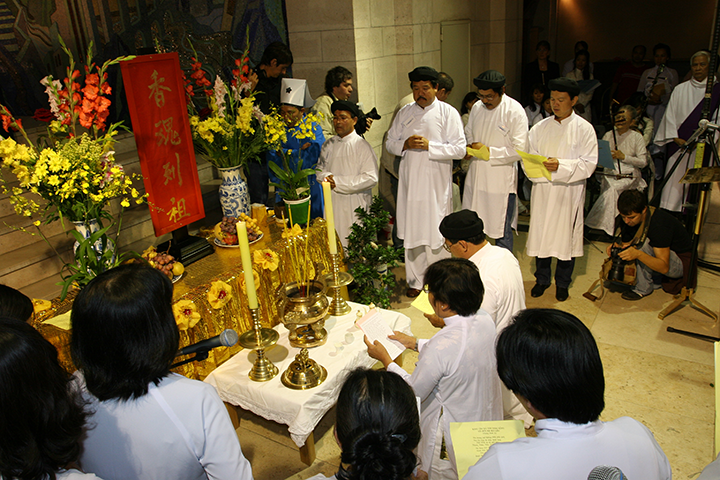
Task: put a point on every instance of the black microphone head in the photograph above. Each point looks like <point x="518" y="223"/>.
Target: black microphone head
<point x="606" y="472"/>
<point x="228" y="338"/>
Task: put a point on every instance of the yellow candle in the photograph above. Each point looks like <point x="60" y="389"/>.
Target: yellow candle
<point x="247" y="264"/>
<point x="329" y="217"/>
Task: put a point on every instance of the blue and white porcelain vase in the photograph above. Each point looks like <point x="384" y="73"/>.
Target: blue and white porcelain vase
<point x="87" y="229"/>
<point x="234" y="196"/>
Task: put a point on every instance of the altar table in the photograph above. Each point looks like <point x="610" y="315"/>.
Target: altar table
<point x="301" y="410"/>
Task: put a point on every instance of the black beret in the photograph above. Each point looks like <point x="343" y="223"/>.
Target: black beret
<point x="564" y="84"/>
<point x="423" y="73"/>
<point x="461" y="225"/>
<point x="489" y="79"/>
<point x="345" y="106"/>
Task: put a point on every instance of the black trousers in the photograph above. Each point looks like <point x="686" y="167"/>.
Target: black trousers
<point x="563" y="271"/>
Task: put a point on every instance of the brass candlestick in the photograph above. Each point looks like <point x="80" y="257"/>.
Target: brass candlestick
<point x="259" y="339"/>
<point x="335" y="281"/>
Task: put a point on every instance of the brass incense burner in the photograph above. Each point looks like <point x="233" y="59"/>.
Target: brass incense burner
<point x="303" y="309"/>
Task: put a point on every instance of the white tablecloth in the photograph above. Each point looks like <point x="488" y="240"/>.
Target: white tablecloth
<point x="300" y="410"/>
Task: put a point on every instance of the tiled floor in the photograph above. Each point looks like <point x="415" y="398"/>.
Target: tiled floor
<point x="662" y="379"/>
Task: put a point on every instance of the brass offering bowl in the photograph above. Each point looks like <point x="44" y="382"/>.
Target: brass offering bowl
<point x="303" y="311"/>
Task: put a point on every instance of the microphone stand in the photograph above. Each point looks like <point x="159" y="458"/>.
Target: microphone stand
<point x="199" y="356"/>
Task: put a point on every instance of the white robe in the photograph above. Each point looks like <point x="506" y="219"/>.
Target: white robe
<point x="353" y="164"/>
<point x="567" y="451"/>
<point x="504" y="296"/>
<point x="455" y="373"/>
<point x="603" y="213"/>
<point x="179" y="430"/>
<point x="556" y="208"/>
<point x="683" y="101"/>
<point x="425" y="177"/>
<point x="488" y="184"/>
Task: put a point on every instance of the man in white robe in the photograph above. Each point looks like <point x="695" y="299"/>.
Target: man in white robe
<point x="499" y="123"/>
<point x="684" y="102"/>
<point x="504" y="291"/>
<point x="550" y="360"/>
<point x="349" y="163"/>
<point x="454" y="377"/>
<point x="428" y="135"/>
<point x="556" y="206"/>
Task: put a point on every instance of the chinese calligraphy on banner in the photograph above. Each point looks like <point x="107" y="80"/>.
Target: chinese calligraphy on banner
<point x="156" y="99"/>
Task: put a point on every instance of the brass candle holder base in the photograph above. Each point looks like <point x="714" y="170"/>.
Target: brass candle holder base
<point x="259" y="339"/>
<point x="334" y="282"/>
<point x="303" y="373"/>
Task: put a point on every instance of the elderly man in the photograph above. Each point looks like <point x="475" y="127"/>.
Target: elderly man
<point x="349" y="163"/>
<point x="550" y="360"/>
<point x="428" y="135"/>
<point x="556" y="205"/>
<point x="499" y="123"/>
<point x="680" y="121"/>
<point x="504" y="294"/>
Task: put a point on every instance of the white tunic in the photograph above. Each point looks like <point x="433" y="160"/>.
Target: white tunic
<point x="603" y="213"/>
<point x="353" y="164"/>
<point x="179" y="430"/>
<point x="73" y="474"/>
<point x="502" y="279"/>
<point x="488" y="184"/>
<point x="556" y="208"/>
<point x="567" y="451"/>
<point x="425" y="177"/>
<point x="455" y="373"/>
<point x="683" y="101"/>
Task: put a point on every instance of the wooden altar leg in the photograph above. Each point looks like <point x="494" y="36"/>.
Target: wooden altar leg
<point x="307" y="451"/>
<point x="232" y="410"/>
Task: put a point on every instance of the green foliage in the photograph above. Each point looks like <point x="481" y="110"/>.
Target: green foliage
<point x="292" y="183"/>
<point x="365" y="255"/>
<point x="91" y="260"/>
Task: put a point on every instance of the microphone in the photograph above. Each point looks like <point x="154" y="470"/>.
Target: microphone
<point x="606" y="472"/>
<point x="227" y="338"/>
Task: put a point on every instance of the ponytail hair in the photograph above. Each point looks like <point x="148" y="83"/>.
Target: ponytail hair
<point x="378" y="426"/>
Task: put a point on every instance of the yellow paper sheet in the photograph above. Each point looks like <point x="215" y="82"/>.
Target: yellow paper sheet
<point x="422" y="303"/>
<point x="61" y="321"/>
<point x="483" y="153"/>
<point x="533" y="164"/>
<point x="472" y="439"/>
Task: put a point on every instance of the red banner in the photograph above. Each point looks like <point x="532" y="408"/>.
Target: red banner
<point x="156" y="99"/>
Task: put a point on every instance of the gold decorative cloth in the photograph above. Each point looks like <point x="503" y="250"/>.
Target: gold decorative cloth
<point x="298" y="260"/>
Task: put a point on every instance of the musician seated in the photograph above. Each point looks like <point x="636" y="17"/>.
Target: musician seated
<point x="657" y="240"/>
<point x="629" y="156"/>
<point x="147" y="422"/>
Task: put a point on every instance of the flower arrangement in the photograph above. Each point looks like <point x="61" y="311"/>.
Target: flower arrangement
<point x="234" y="131"/>
<point x="292" y="178"/>
<point x="74" y="170"/>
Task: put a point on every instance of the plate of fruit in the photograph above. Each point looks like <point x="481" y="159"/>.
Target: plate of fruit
<point x="164" y="262"/>
<point x="226" y="231"/>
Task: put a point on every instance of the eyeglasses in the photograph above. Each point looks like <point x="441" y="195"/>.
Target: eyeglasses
<point x="448" y="247"/>
<point x="487" y="97"/>
<point x="425" y="289"/>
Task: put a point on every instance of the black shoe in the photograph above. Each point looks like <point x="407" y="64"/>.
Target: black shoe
<point x="561" y="294"/>
<point x="538" y="290"/>
<point x="632" y="295"/>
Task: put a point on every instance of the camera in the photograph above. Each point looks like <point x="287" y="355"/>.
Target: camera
<point x="617" y="269"/>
